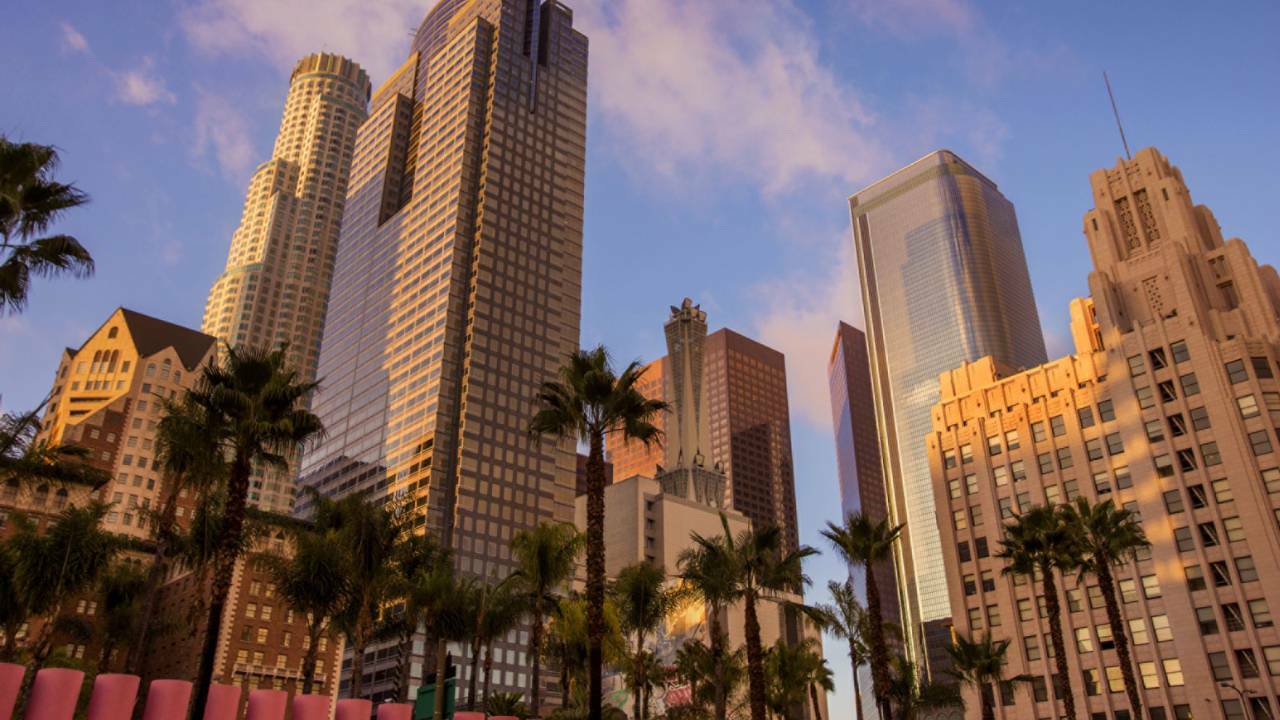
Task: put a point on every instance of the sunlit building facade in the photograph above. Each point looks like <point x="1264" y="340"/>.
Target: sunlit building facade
<point x="457" y="292"/>
<point x="943" y="281"/>
<point x="1168" y="408"/>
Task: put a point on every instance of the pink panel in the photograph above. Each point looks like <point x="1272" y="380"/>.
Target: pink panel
<point x="311" y="707"/>
<point x="54" y="694"/>
<point x="167" y="699"/>
<point x="10" y="683"/>
<point x="267" y="705"/>
<point x="395" y="711"/>
<point x="352" y="709"/>
<point x="113" y="697"/>
<point x="223" y="702"/>
<point x="504" y="717"/>
<point x="468" y="716"/>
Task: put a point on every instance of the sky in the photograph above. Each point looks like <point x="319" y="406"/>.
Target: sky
<point x="724" y="137"/>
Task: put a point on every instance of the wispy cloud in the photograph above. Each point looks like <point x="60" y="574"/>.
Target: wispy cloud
<point x="374" y="34"/>
<point x="72" y="39"/>
<point x="222" y="133"/>
<point x="142" y="86"/>
<point x="737" y="89"/>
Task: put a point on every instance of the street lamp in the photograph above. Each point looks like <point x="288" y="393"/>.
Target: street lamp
<point x="1244" y="698"/>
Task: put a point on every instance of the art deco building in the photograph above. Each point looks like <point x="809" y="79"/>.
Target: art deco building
<point x="1168" y="408"/>
<point x="457" y="291"/>
<point x="744" y="388"/>
<point x="943" y="280"/>
<point x="275" y="288"/>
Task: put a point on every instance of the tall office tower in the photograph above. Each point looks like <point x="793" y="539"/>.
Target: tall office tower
<point x="1168" y="408"/>
<point x="276" y="284"/>
<point x="744" y="388"/>
<point x="943" y="281"/>
<point x="457" y="291"/>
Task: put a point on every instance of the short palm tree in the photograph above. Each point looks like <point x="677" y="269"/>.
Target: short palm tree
<point x="254" y="407"/>
<point x="546" y="557"/>
<point x="29" y="461"/>
<point x="499" y="609"/>
<point x="709" y="574"/>
<point x="914" y="698"/>
<point x="445" y="602"/>
<point x="980" y="664"/>
<point x="867" y="542"/>
<point x="791" y="672"/>
<point x="1035" y="545"/>
<point x="1109" y="537"/>
<point x="644" y="601"/>
<point x="31" y="200"/>
<point x="414" y="555"/>
<point x="121" y="590"/>
<point x="588" y="402"/>
<point x="847" y="620"/>
<point x="506" y="705"/>
<point x="314" y="581"/>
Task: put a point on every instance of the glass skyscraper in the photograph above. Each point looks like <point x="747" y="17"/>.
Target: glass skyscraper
<point x="457" y="292"/>
<point x="944" y="281"/>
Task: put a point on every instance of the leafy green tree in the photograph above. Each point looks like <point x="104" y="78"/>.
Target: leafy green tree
<point x="913" y="697"/>
<point x="793" y="671"/>
<point x="847" y="620"/>
<point x="864" y="541"/>
<point x="1037" y="544"/>
<point x="121" y="589"/>
<point x="644" y="602"/>
<point x="31" y="201"/>
<point x="499" y="609"/>
<point x="981" y="665"/>
<point x="313" y="579"/>
<point x="546" y="556"/>
<point x="254" y="408"/>
<point x="588" y="402"/>
<point x="1108" y="537"/>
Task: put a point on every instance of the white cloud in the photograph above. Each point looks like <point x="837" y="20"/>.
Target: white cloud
<point x="914" y="17"/>
<point x="221" y="131"/>
<point x="141" y="86"/>
<point x="73" y="39"/>
<point x="374" y="34"/>
<point x="694" y="87"/>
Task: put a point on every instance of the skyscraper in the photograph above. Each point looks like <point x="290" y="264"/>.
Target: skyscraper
<point x="1168" y="408"/>
<point x="943" y="280"/>
<point x="276" y="284"/>
<point x="457" y="290"/>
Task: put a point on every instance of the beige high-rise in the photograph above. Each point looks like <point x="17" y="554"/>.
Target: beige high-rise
<point x="275" y="289"/>
<point x="1169" y="408"/>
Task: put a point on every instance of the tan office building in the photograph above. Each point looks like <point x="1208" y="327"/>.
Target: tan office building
<point x="1169" y="408"/>
<point x="457" y="292"/>
<point x="275" y="288"/>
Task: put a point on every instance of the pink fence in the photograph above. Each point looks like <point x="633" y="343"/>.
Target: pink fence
<point x="55" y="695"/>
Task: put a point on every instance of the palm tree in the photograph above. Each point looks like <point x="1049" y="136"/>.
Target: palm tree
<point x="914" y="698"/>
<point x="506" y="705"/>
<point x="121" y="588"/>
<point x="847" y="620"/>
<point x="313" y="580"/>
<point x="546" y="556"/>
<point x="568" y="647"/>
<point x="501" y="610"/>
<point x="866" y="542"/>
<point x="415" y="554"/>
<point x="254" y="407"/>
<point x="710" y="575"/>
<point x="792" y="671"/>
<point x="644" y="671"/>
<point x="1036" y="544"/>
<point x="445" y="602"/>
<point x="30" y="202"/>
<point x="1109" y="537"/>
<point x="981" y="664"/>
<point x="644" y="602"/>
<point x="29" y="461"/>
<point x="588" y="402"/>
<point x="711" y="680"/>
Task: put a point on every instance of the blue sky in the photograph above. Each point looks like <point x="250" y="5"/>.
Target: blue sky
<point x="724" y="138"/>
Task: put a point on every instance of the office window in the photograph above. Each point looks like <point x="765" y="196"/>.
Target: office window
<point x="1115" y="680"/>
<point x="1001" y="475"/>
<point x="970" y="585"/>
<point x="1190" y="385"/>
<point x="966" y="453"/>
<point x="1006" y="508"/>
<point x="1233" y="529"/>
<point x="1187" y="460"/>
<point x="1058" y="426"/>
<point x="1260" y="613"/>
<point x="1178" y="351"/>
<point x="1092" y="683"/>
<point x="1260" y="441"/>
<point x="1209" y="451"/>
<point x="1246" y="569"/>
<point x="1146" y="398"/>
<point x="1040" y="689"/>
<point x="1123" y="480"/>
<point x="1136" y="366"/>
<point x="1167" y="391"/>
<point x="1037" y="432"/>
<point x="980" y="547"/>
<point x="1236" y="372"/>
<point x="953" y="488"/>
<point x="1208" y="534"/>
<point x="962" y="550"/>
<point x="1075" y="599"/>
<point x="1045" y="461"/>
<point x="1182" y="538"/>
<point x="1248" y="406"/>
<point x="1272" y="656"/>
<point x="1085" y="416"/>
<point x="1158" y="359"/>
<point x="975" y="618"/>
<point x="1025" y="611"/>
<point x="1105" y="639"/>
<point x="1195" y="578"/>
<point x="1150" y="678"/>
<point x="1031" y="645"/>
<point x="1155" y="430"/>
<point x="1106" y="410"/>
<point x="1102" y="483"/>
<point x="975" y="515"/>
<point x="1138" y="631"/>
<point x="1011" y="440"/>
<point x="1219" y="666"/>
<point x="1095" y="596"/>
<point x="1218" y="571"/>
<point x="1064" y="458"/>
<point x="1150" y="587"/>
<point x="1199" y="499"/>
<point x="1173" y="672"/>
<point x="993" y="445"/>
<point x="1207" y="620"/>
<point x="993" y="616"/>
<point x="1160" y="627"/>
<point x="1019" y="470"/>
<point x="1232" y="617"/>
<point x="1271" y="479"/>
<point x="1260" y="367"/>
<point x="949" y="458"/>
<point x="1164" y="465"/>
<point x="1173" y="502"/>
<point x="971" y="484"/>
<point x="959" y="519"/>
<point x="1093" y="449"/>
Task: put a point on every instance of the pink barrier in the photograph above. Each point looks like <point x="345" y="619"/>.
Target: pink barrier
<point x="223" y="702"/>
<point x="267" y="705"/>
<point x="468" y="716"/>
<point x="11" y="684"/>
<point x="54" y="694"/>
<point x="353" y="709"/>
<point x="310" y="707"/>
<point x="395" y="711"/>
<point x="504" y="717"/>
<point x="113" y="697"/>
<point x="167" y="699"/>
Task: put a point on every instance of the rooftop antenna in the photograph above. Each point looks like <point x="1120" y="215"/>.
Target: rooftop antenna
<point x="1116" y="112"/>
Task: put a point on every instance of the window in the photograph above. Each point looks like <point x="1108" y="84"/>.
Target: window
<point x="1182" y="537"/>
<point x="1095" y="597"/>
<point x="1173" y="502"/>
<point x="1167" y="391"/>
<point x="1085" y="415"/>
<point x="1158" y="359"/>
<point x="1160" y="626"/>
<point x="970" y="585"/>
<point x="971" y="484"/>
<point x="1106" y="411"/>
<point x="1058" y="426"/>
<point x="1128" y="590"/>
<point x="988" y="581"/>
<point x="1115" y="680"/>
<point x="1164" y="466"/>
<point x="1260" y="613"/>
<point x="1105" y="640"/>
<point x="1200" y="418"/>
<point x="262" y="634"/>
<point x="1209" y="451"/>
<point x="1123" y="480"/>
<point x="1019" y="470"/>
<point x="1150" y="678"/>
<point x="1037" y="432"/>
<point x="1011" y="440"/>
<point x="1236" y="372"/>
<point x="1052" y="495"/>
<point x="1271" y="479"/>
<point x="1248" y="406"/>
<point x="949" y="458"/>
<point x="993" y="445"/>
<point x="1136" y="366"/>
<point x="1045" y="461"/>
<point x="1187" y="460"/>
<point x="1064" y="458"/>
<point x="1138" y="631"/>
<point x="966" y="453"/>
<point x="1272" y="656"/>
<point x="1218" y="571"/>
<point x="1207" y="620"/>
<point x="1233" y="529"/>
<point x="1006" y="508"/>
<point x="1260" y="367"/>
<point x="953" y="487"/>
<point x="1246" y="569"/>
<point x="1024" y="610"/>
<point x="1232" y="617"/>
<point x="962" y="550"/>
<point x="1150" y="587"/>
<point x="1173" y="672"/>
<point x="1093" y="449"/>
<point x="980" y="547"/>
<point x="1178" y="350"/>
<point x="1092" y="684"/>
<point x="975" y="618"/>
<point x="1146" y="399"/>
<point x="1195" y="578"/>
<point x="1075" y="599"/>
<point x="1260" y="441"/>
<point x="1102" y="483"/>
<point x="1040" y="689"/>
<point x="1001" y="475"/>
<point x="1155" y="430"/>
<point x="993" y="616"/>
<point x="959" y="519"/>
<point x="1208" y="534"/>
<point x="1198" y="498"/>
<point x="1219" y="666"/>
<point x="1190" y="385"/>
<point x="975" y="515"/>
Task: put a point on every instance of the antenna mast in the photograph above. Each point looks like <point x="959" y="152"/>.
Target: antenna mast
<point x="1116" y="112"/>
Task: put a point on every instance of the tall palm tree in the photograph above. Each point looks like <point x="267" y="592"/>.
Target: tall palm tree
<point x="792" y="671"/>
<point x="867" y="542"/>
<point x="1035" y="545"/>
<point x="30" y="202"/>
<point x="847" y="620"/>
<point x="1109" y="537"/>
<point x="121" y="589"/>
<point x="588" y="402"/>
<point x="414" y="555"/>
<point x="644" y="602"/>
<point x="254" y="407"/>
<point x="914" y="698"/>
<point x="710" y="679"/>
<point x="314" y="581"/>
<point x="568" y="647"/>
<point x="445" y="601"/>
<point x="710" y="575"/>
<point x="498" y="610"/>
<point x="981" y="665"/>
<point x="546" y="556"/>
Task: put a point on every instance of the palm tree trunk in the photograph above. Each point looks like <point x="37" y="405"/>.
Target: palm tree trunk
<point x="488" y="667"/>
<point x="402" y="664"/>
<point x="813" y="697"/>
<point x="309" y="660"/>
<point x="857" y="691"/>
<point x="104" y="657"/>
<point x="442" y="671"/>
<point x="155" y="575"/>
<point x="595" y="576"/>
<point x="636" y="685"/>
<point x="535" y="649"/>
<point x="1106" y="583"/>
<point x="879" y="653"/>
<point x="755" y="659"/>
<point x="227" y="548"/>
<point x="475" y="673"/>
<point x="359" y="642"/>
<point x="1050" y="589"/>
<point x="717" y="654"/>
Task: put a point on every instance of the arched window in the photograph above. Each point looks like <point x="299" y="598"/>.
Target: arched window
<point x="60" y="499"/>
<point x="111" y="364"/>
<point x="42" y="495"/>
<point x="164" y="370"/>
<point x="113" y="332"/>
